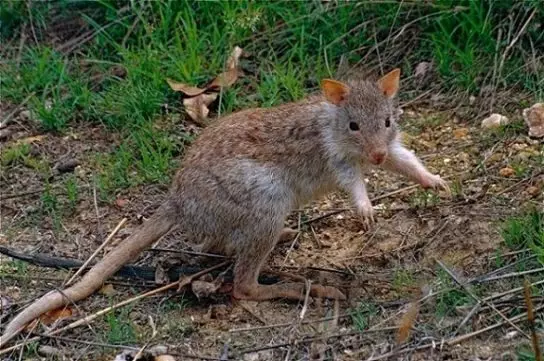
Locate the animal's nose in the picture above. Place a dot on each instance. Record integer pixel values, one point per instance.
(378, 157)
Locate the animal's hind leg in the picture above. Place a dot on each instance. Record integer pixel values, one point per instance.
(246, 272)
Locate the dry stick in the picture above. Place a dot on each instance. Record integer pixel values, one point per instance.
(531, 319)
(95, 253)
(500, 269)
(514, 41)
(459, 339)
(455, 340)
(7, 119)
(512, 274)
(514, 290)
(181, 283)
(477, 299)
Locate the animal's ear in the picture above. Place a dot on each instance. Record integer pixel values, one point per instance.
(335, 92)
(389, 83)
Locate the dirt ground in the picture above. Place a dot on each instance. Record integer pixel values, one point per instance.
(381, 270)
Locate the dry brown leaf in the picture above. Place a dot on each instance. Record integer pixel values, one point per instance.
(223, 80)
(50, 317)
(205, 289)
(460, 133)
(506, 172)
(197, 107)
(233, 60)
(30, 140)
(107, 290)
(121, 202)
(407, 322)
(185, 88)
(161, 278)
(165, 358)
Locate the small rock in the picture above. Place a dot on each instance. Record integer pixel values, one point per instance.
(471, 100)
(494, 121)
(534, 118)
(66, 166)
(507, 172)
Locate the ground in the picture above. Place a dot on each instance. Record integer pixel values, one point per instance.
(381, 270)
(91, 133)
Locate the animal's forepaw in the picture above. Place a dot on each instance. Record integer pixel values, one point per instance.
(434, 181)
(366, 214)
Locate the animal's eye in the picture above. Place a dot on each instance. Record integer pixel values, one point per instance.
(353, 126)
(387, 123)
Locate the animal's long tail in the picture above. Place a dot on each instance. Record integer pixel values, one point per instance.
(158, 225)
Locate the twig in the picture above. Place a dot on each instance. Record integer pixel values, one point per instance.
(512, 274)
(7, 119)
(514, 290)
(514, 41)
(477, 299)
(98, 250)
(477, 307)
(500, 269)
(531, 319)
(193, 253)
(181, 283)
(459, 339)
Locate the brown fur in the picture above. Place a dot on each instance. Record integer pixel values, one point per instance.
(243, 175)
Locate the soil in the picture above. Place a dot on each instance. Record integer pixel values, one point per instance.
(385, 267)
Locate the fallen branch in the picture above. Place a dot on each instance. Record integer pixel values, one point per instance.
(179, 284)
(142, 273)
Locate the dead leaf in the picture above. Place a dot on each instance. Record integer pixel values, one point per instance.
(107, 290)
(197, 107)
(223, 80)
(233, 60)
(185, 88)
(29, 140)
(205, 289)
(161, 277)
(506, 172)
(51, 317)
(5, 304)
(407, 322)
(121, 202)
(533, 191)
(460, 133)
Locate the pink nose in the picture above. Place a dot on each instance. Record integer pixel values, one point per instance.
(377, 157)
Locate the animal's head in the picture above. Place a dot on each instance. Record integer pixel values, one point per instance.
(366, 114)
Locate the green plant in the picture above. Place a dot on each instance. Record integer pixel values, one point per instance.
(451, 298)
(50, 207)
(362, 315)
(72, 191)
(120, 328)
(16, 153)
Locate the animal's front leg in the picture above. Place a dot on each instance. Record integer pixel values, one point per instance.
(350, 179)
(403, 161)
(363, 205)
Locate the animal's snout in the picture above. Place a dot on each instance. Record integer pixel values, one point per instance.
(378, 157)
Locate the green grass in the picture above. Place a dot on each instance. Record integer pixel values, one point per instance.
(120, 329)
(525, 231)
(362, 316)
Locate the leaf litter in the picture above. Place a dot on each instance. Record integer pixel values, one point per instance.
(197, 100)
